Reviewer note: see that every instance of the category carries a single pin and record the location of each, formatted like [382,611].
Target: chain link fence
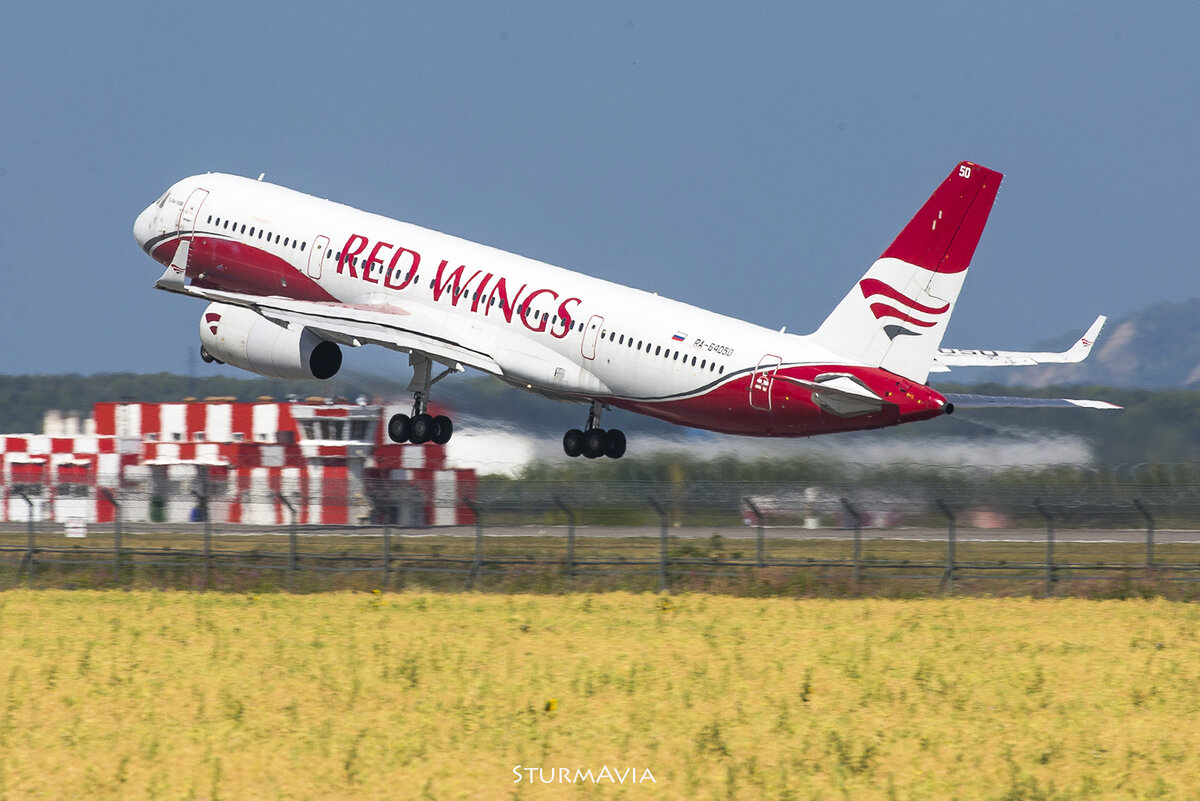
[899,536]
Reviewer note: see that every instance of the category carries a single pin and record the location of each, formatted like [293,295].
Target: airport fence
[832,538]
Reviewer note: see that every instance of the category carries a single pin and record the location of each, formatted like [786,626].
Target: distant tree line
[1156,426]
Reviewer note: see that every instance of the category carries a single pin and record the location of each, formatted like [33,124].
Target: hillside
[1155,348]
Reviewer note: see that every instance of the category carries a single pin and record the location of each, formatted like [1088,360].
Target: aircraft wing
[990,402]
[954,357]
[354,325]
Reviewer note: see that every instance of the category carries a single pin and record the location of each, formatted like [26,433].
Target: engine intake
[245,339]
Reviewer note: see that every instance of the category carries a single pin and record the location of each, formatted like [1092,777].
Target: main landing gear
[594,442]
[421,427]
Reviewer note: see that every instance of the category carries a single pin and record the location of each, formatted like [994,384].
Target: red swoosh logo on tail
[872,286]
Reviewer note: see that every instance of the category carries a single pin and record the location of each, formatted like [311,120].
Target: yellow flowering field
[151,695]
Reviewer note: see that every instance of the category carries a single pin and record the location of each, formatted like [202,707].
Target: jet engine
[241,337]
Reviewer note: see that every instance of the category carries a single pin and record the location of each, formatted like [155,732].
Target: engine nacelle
[238,336]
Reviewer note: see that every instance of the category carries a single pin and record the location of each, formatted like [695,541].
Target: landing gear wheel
[573,442]
[443,429]
[616,444]
[595,443]
[399,428]
[422,429]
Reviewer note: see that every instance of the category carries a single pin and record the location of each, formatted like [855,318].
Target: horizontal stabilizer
[839,394]
[954,357]
[996,402]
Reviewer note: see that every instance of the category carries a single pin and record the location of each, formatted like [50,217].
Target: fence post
[570,537]
[387,554]
[850,510]
[477,562]
[291,541]
[758,539]
[662,544]
[1049,545]
[108,496]
[948,575]
[1137,504]
[29,544]
[202,497]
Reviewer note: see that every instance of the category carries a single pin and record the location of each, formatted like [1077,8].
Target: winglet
[1083,346]
[172,278]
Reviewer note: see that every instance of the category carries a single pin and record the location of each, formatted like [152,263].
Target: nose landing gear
[594,442]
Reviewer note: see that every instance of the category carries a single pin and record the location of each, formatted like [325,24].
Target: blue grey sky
[749,158]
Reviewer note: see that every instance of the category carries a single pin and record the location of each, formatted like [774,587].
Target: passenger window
[243,230]
[302,244]
[657,348]
[693,361]
[210,219]
[285,241]
[252,231]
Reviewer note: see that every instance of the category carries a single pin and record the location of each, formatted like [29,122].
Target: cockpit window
[162,201]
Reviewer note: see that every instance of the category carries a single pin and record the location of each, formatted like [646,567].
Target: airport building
[251,463]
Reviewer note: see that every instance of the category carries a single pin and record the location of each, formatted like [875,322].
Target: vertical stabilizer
[895,316]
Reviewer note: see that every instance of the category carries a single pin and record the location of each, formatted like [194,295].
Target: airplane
[292,278]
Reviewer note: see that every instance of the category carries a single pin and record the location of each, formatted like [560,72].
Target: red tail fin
[942,236]
[895,316]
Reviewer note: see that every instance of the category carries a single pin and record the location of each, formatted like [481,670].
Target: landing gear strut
[594,441]
[422,427]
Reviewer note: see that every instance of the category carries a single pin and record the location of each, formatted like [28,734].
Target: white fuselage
[549,330]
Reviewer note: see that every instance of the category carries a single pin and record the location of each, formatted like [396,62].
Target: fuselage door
[591,334]
[316,256]
[191,210]
[762,380]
